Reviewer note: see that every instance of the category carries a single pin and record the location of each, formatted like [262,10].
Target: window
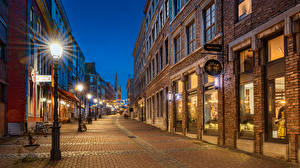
[246,110]
[91,79]
[177,6]
[153,67]
[161,57]
[192,113]
[276,48]
[167,52]
[192,81]
[244,8]
[191,36]
[211,112]
[276,109]
[156,28]
[38,27]
[2,53]
[32,52]
[178,105]
[161,19]
[2,92]
[167,8]
[177,49]
[246,61]
[31,16]
[157,64]
[209,22]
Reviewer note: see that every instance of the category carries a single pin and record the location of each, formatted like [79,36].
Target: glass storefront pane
[192,81]
[276,108]
[246,61]
[211,112]
[178,104]
[192,113]
[276,48]
[246,110]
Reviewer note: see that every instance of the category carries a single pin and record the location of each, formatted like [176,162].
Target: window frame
[191,42]
[210,27]
[237,3]
[177,51]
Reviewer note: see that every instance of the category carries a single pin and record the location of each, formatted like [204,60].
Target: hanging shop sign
[43,78]
[213,67]
[213,47]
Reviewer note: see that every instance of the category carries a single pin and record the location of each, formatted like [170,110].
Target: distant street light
[56,52]
[79,88]
[89,97]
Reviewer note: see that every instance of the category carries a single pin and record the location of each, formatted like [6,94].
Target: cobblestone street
[116,142]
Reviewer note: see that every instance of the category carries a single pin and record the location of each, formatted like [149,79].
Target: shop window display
[211,112]
[192,113]
[276,108]
[246,61]
[246,110]
[178,104]
[276,48]
[192,81]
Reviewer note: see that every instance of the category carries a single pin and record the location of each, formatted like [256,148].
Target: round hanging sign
[213,67]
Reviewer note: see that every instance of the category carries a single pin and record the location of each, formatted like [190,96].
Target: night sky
[106,32]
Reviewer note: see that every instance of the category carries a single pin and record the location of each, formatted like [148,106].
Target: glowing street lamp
[89,97]
[56,52]
[79,88]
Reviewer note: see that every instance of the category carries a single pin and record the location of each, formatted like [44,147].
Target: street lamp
[79,88]
[56,52]
[89,97]
[96,110]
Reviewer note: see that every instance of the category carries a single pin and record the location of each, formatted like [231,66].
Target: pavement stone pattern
[115,142]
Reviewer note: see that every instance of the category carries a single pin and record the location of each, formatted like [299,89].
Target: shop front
[192,103]
[178,105]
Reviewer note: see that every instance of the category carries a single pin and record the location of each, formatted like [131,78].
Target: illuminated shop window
[246,61]
[246,110]
[276,48]
[192,81]
[192,113]
[276,108]
[211,112]
[178,104]
[244,8]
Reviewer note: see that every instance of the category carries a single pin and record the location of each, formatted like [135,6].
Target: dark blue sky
[106,32]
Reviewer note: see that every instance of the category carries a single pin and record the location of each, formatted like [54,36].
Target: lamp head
[79,87]
[89,96]
[56,50]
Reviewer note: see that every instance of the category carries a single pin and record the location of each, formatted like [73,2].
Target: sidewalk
[116,142]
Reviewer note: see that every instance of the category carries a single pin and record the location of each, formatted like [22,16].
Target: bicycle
[41,128]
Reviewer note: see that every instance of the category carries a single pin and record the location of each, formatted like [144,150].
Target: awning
[68,94]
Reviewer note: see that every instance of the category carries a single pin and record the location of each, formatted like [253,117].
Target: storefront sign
[213,47]
[43,78]
[170,96]
[178,96]
[213,67]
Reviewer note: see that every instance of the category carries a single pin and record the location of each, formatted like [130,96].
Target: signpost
[43,78]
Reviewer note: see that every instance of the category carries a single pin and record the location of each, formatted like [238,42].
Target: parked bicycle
[42,128]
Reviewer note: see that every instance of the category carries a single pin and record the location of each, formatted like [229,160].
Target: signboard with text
[43,78]
[213,47]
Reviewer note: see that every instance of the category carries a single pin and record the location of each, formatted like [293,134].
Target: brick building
[253,105]
[32,26]
[3,66]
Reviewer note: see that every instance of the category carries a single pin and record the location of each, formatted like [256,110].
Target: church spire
[116,83]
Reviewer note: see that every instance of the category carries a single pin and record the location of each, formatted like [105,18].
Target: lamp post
[56,52]
[96,104]
[79,88]
[89,97]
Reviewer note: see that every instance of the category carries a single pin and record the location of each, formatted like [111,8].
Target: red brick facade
[254,31]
